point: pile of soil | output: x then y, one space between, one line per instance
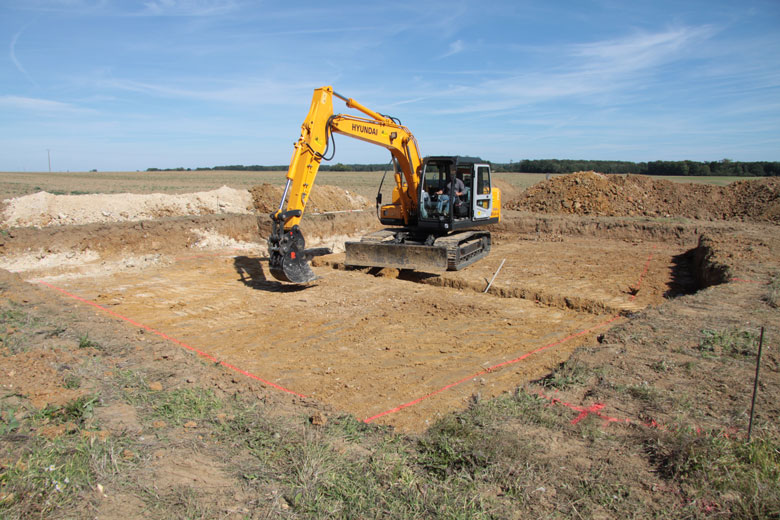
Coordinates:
44 209
323 198
590 193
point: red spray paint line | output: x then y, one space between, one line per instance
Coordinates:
173 340
594 409
491 369
516 360
747 281
642 276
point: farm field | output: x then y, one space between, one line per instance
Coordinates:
15 184
606 373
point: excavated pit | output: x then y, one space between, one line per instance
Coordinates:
367 344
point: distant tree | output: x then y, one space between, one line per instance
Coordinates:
338 167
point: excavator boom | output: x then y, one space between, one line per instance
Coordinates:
288 258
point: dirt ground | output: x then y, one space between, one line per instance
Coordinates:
398 349
590 193
354 341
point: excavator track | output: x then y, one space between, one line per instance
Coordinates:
448 253
465 248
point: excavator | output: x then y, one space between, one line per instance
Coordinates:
437 201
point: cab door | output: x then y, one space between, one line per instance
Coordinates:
483 198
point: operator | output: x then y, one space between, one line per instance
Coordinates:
444 195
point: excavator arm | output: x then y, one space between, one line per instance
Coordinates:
288 256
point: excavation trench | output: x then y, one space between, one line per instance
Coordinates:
367 344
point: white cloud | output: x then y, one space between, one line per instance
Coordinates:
17 64
188 7
39 105
641 50
455 48
251 92
620 66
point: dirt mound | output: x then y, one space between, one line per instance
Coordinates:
44 209
266 197
590 193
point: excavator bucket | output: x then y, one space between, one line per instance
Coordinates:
288 259
291 268
401 256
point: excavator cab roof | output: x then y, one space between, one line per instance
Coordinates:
457 159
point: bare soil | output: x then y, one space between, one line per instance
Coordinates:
625 274
590 193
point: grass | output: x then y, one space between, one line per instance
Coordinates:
51 475
645 393
568 374
516 455
733 342
724 475
499 457
177 406
662 365
85 342
15 325
773 291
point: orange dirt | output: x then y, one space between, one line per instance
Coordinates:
367 344
266 199
590 193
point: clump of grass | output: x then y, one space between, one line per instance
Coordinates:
662 365
76 411
50 477
773 291
738 479
8 420
85 342
80 409
734 342
644 392
16 327
183 404
568 374
71 381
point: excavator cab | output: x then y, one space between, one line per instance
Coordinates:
442 211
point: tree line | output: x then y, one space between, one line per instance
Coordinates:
724 167
338 167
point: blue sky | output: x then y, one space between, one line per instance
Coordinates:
121 85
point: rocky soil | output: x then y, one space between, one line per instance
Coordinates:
590 193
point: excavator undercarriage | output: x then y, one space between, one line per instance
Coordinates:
399 249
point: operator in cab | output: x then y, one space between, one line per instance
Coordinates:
444 195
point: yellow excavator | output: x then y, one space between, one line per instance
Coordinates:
436 203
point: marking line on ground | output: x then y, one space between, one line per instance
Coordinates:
171 339
493 368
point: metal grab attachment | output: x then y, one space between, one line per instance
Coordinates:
288 256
